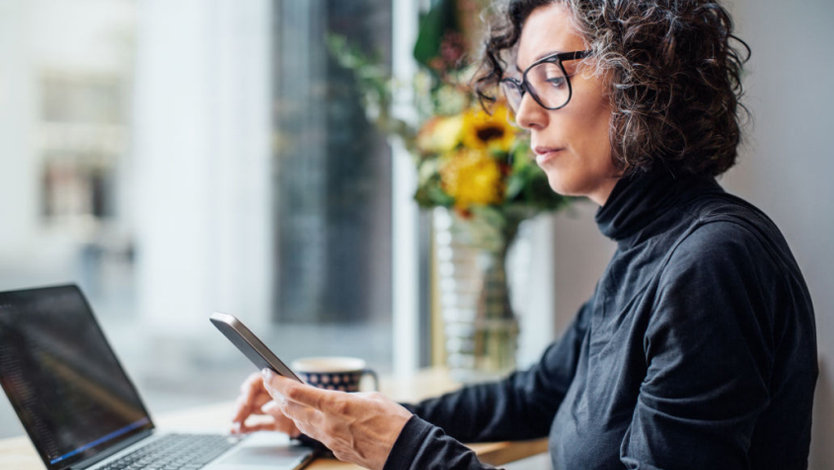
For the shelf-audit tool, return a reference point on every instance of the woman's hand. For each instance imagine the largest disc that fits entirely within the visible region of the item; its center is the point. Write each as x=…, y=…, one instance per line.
x=255, y=401
x=358, y=427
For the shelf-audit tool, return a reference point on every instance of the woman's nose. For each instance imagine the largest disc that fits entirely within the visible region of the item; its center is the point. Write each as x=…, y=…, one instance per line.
x=529, y=114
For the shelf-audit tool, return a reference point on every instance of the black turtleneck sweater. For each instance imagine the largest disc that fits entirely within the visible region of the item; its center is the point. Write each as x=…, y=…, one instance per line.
x=696, y=350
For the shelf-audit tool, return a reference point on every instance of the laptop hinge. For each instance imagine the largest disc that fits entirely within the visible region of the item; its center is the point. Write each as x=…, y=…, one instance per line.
x=86, y=463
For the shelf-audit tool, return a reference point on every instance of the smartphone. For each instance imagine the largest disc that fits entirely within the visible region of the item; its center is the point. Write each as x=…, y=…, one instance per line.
x=250, y=345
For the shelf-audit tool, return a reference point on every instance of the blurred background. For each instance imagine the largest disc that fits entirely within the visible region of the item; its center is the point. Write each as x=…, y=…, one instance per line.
x=176, y=158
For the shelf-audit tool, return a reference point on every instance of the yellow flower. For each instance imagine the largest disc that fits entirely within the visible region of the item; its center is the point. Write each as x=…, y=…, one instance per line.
x=492, y=132
x=471, y=177
x=440, y=134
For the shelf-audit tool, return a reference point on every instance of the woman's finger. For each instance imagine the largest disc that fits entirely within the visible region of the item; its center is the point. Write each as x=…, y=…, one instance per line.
x=249, y=400
x=251, y=386
x=245, y=408
x=247, y=428
x=282, y=422
x=299, y=413
x=296, y=392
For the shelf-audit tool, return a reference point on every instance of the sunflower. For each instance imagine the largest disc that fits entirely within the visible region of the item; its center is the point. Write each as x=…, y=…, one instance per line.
x=471, y=177
x=488, y=132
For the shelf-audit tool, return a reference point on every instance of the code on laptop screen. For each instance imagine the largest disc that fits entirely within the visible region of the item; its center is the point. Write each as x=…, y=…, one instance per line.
x=62, y=377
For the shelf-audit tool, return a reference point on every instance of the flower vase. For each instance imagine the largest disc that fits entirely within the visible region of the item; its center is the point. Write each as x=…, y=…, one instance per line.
x=480, y=328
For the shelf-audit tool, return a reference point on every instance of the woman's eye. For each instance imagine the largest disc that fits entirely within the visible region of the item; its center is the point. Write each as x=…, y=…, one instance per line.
x=556, y=82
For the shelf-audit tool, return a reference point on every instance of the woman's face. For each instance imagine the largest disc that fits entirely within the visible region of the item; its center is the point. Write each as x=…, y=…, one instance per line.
x=571, y=143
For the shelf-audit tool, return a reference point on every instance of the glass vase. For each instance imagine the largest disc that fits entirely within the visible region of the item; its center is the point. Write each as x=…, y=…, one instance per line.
x=479, y=325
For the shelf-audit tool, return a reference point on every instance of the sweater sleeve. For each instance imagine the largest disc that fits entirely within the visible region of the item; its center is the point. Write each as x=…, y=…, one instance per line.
x=421, y=445
x=708, y=349
x=520, y=407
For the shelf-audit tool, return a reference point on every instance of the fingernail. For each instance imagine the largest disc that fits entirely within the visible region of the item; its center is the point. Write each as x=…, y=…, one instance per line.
x=266, y=374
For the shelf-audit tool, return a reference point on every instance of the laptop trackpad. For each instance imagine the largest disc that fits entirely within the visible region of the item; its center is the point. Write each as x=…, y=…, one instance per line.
x=264, y=450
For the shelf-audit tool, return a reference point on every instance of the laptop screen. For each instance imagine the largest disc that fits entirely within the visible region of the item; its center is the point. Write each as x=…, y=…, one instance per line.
x=62, y=378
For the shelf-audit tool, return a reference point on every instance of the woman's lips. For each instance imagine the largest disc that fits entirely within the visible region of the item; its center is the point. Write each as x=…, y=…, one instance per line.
x=545, y=154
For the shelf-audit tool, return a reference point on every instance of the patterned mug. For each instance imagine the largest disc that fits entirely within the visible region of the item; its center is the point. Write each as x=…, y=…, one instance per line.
x=334, y=373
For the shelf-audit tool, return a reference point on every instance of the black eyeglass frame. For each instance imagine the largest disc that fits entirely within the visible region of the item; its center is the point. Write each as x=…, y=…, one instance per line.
x=524, y=86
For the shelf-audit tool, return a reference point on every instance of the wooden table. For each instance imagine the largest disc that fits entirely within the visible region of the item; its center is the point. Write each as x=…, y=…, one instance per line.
x=19, y=454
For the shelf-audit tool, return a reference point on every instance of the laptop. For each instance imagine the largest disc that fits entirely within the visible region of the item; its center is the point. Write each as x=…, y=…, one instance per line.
x=80, y=408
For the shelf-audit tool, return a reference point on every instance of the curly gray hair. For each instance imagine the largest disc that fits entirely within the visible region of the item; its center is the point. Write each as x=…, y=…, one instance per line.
x=673, y=73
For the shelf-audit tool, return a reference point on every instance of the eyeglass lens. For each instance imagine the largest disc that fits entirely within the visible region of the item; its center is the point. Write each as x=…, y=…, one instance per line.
x=545, y=81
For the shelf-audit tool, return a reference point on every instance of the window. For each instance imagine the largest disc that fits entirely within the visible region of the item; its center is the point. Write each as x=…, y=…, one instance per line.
x=332, y=183
x=179, y=159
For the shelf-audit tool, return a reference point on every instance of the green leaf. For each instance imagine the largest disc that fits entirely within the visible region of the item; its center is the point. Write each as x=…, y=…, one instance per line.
x=515, y=185
x=440, y=197
x=441, y=17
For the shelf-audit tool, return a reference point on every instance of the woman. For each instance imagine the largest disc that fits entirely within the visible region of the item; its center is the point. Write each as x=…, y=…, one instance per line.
x=697, y=349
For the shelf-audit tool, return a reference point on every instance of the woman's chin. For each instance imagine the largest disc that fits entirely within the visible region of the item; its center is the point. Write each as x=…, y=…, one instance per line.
x=558, y=185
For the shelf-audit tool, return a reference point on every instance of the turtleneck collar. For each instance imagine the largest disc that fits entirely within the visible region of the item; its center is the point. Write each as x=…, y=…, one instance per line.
x=641, y=198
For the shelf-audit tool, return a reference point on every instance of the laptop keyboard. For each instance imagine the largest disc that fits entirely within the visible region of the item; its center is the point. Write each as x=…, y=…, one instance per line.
x=175, y=452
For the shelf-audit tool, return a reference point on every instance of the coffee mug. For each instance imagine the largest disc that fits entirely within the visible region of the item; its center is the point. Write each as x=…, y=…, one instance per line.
x=334, y=373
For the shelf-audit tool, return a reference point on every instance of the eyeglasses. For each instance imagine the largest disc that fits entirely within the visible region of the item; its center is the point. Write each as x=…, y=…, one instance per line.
x=545, y=80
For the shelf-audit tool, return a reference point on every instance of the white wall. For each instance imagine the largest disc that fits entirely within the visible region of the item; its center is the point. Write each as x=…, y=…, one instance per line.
x=581, y=253
x=786, y=168
x=787, y=165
